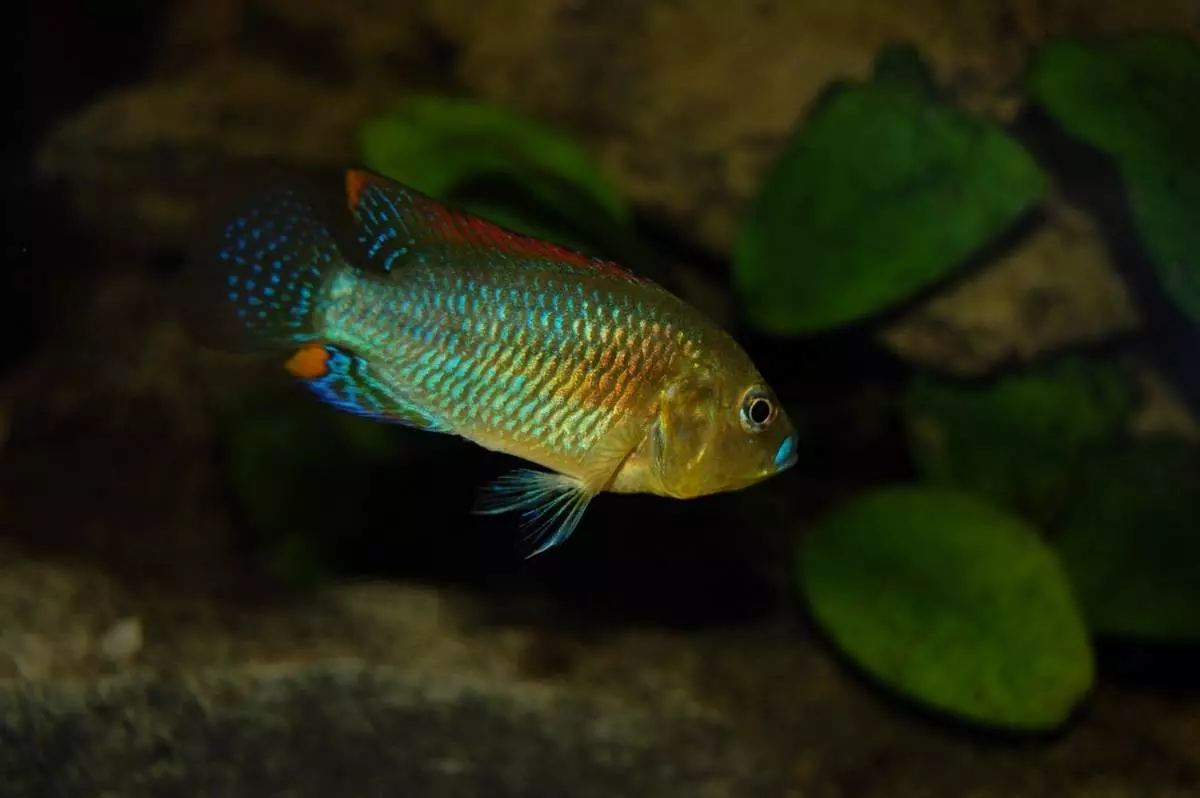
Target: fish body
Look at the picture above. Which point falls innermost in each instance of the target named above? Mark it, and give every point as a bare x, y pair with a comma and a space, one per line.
439, 320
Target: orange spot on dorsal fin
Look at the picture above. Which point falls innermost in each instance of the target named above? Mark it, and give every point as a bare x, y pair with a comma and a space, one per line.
357, 180
309, 362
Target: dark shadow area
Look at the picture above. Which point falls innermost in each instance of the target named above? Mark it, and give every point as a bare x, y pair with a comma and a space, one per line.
1173, 668
633, 559
63, 54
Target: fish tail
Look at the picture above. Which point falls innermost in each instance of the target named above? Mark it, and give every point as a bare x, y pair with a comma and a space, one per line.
259, 282
258, 276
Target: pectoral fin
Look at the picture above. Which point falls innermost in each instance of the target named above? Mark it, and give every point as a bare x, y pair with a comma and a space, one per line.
554, 503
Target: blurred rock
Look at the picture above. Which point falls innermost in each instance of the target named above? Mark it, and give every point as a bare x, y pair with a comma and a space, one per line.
122, 642
138, 163
50, 616
27, 654
1162, 412
381, 689
1058, 288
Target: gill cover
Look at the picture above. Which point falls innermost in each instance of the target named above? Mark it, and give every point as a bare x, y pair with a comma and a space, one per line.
682, 434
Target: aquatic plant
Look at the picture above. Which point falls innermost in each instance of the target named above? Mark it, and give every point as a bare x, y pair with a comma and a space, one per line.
882, 191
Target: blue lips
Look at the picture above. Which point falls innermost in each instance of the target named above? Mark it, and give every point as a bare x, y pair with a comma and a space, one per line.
786, 455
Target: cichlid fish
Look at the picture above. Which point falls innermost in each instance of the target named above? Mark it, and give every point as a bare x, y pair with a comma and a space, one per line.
432, 318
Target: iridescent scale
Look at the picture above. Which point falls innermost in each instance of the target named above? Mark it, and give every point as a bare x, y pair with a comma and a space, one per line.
536, 358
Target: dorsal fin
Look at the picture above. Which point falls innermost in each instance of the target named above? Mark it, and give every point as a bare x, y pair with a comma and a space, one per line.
397, 222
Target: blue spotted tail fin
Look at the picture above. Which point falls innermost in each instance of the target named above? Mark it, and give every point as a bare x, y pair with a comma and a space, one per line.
254, 281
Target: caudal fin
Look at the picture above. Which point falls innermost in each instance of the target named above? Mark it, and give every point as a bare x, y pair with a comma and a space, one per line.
256, 275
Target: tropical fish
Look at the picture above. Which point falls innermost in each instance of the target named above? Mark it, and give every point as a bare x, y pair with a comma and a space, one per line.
415, 313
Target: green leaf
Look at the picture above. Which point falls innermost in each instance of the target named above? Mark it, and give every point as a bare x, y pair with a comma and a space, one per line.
949, 600
1134, 99
1021, 439
495, 162
880, 194
1131, 542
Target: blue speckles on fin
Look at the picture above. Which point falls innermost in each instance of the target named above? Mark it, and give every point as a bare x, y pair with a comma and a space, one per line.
351, 384
255, 283
382, 221
252, 242
553, 505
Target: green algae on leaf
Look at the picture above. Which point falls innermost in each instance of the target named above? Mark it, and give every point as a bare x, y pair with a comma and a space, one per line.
1133, 98
494, 161
882, 192
947, 599
1020, 439
1131, 542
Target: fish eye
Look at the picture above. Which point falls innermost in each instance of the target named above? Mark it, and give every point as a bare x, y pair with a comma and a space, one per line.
758, 411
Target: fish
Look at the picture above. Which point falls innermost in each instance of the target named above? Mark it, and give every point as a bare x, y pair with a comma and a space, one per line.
390, 305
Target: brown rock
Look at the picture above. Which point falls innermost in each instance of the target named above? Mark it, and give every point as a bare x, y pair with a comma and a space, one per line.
390, 689
157, 147
1058, 288
1161, 411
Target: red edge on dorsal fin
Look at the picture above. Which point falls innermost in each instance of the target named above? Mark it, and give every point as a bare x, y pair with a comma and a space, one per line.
460, 226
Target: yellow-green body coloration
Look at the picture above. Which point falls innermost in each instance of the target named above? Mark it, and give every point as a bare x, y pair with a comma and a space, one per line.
443, 321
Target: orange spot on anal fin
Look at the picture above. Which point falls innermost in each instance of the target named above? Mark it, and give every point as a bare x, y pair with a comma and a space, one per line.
309, 363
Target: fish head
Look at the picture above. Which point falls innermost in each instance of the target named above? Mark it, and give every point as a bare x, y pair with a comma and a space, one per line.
718, 432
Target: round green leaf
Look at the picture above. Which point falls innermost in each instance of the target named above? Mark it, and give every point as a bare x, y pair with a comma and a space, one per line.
1021, 439
947, 599
1131, 542
1133, 98
882, 192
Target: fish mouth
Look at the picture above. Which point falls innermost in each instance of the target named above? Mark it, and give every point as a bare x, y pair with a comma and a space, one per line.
786, 455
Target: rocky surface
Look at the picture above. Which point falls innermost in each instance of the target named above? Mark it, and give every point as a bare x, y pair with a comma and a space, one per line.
1058, 288
386, 689
684, 103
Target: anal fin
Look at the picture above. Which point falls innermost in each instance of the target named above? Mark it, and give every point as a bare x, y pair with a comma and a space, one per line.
350, 383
